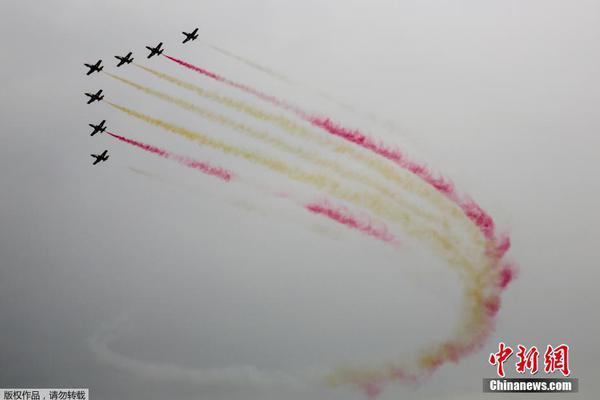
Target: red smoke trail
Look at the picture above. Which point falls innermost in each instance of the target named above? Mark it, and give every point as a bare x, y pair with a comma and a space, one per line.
338, 214
345, 217
261, 95
197, 69
470, 208
188, 162
485, 305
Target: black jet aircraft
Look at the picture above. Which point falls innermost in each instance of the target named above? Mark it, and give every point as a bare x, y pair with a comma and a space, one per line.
100, 128
155, 50
94, 68
95, 97
124, 60
100, 157
190, 36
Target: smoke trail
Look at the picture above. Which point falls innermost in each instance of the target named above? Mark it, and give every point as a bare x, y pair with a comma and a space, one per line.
341, 215
268, 98
214, 96
188, 162
471, 209
488, 275
320, 182
235, 377
403, 179
284, 146
496, 246
389, 125
482, 289
345, 217
254, 65
324, 207
147, 174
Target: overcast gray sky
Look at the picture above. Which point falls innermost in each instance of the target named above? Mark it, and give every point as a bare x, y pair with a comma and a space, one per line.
176, 285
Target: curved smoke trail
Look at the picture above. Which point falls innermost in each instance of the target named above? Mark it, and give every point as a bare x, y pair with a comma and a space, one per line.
234, 376
471, 209
297, 151
375, 203
400, 177
484, 281
482, 289
496, 245
338, 214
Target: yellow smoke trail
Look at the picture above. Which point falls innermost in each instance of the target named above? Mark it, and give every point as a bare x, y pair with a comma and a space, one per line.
477, 292
385, 123
444, 241
291, 149
475, 318
403, 179
291, 82
319, 181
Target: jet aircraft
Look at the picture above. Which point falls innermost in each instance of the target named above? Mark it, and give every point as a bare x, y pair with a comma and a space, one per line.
100, 128
95, 97
94, 68
155, 50
100, 157
190, 36
124, 60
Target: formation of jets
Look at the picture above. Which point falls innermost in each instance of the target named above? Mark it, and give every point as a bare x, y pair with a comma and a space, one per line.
126, 59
